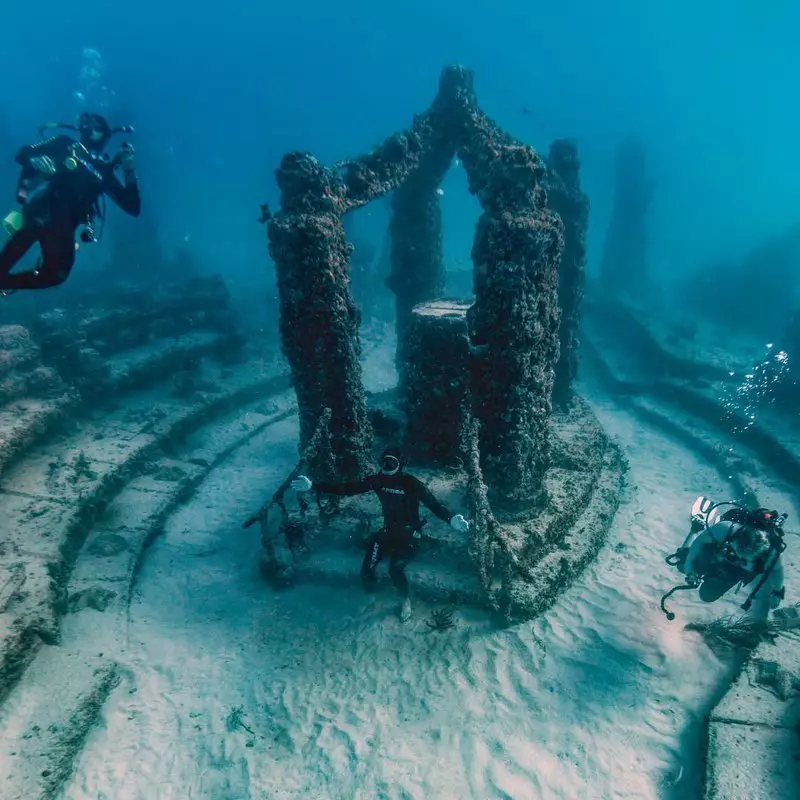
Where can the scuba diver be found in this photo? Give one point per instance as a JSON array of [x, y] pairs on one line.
[[726, 548], [59, 189], [400, 495]]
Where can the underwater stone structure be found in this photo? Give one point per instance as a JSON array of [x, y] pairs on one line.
[[319, 320], [437, 387], [86, 488], [513, 324], [164, 327], [33, 396], [311, 255], [417, 258], [515, 319], [624, 265], [572, 205]]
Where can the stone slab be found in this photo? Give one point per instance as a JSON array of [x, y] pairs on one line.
[[754, 698], [751, 762]]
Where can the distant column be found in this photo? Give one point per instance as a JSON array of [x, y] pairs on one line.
[[624, 268], [417, 260], [565, 197]]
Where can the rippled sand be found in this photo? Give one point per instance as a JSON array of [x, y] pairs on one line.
[[233, 691]]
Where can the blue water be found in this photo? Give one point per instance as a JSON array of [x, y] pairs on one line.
[[218, 92]]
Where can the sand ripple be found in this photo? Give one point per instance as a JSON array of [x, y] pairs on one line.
[[235, 692]]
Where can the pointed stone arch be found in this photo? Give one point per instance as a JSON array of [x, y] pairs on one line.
[[513, 323]]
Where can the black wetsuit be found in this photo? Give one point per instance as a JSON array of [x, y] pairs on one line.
[[60, 204], [400, 496]]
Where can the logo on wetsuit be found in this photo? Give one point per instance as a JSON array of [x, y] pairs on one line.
[[393, 491], [376, 549]]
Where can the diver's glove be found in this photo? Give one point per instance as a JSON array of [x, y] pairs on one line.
[[776, 597], [692, 579], [125, 158], [44, 165], [458, 523], [301, 484]]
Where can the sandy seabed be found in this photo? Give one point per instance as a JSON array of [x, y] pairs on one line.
[[232, 691]]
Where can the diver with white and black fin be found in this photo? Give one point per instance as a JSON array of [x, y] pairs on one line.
[[730, 545], [59, 190], [400, 495]]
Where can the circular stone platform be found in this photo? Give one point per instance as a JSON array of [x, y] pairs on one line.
[[517, 566]]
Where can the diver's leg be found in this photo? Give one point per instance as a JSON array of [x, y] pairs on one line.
[[58, 256], [716, 580], [401, 555], [397, 571], [371, 560], [715, 585], [12, 252]]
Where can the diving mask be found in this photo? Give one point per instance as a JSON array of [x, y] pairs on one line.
[[389, 463]]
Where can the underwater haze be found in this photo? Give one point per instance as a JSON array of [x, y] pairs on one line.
[[158, 644], [219, 92]]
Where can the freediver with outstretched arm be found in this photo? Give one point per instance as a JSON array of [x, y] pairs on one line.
[[400, 496]]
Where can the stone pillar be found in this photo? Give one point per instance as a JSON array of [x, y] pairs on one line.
[[515, 320], [319, 321], [572, 205], [417, 259], [437, 380], [624, 266]]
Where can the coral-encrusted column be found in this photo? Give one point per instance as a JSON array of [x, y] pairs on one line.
[[418, 271], [437, 380], [565, 197], [515, 320], [319, 321]]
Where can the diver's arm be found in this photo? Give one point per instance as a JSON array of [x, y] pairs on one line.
[[714, 535], [345, 488], [777, 579], [126, 196], [425, 496], [47, 147]]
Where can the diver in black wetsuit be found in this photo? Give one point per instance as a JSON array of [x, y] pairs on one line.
[[61, 183], [400, 495]]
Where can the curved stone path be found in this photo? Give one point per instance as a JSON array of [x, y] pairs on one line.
[[205, 684]]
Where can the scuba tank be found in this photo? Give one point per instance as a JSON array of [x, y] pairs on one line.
[[704, 514]]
